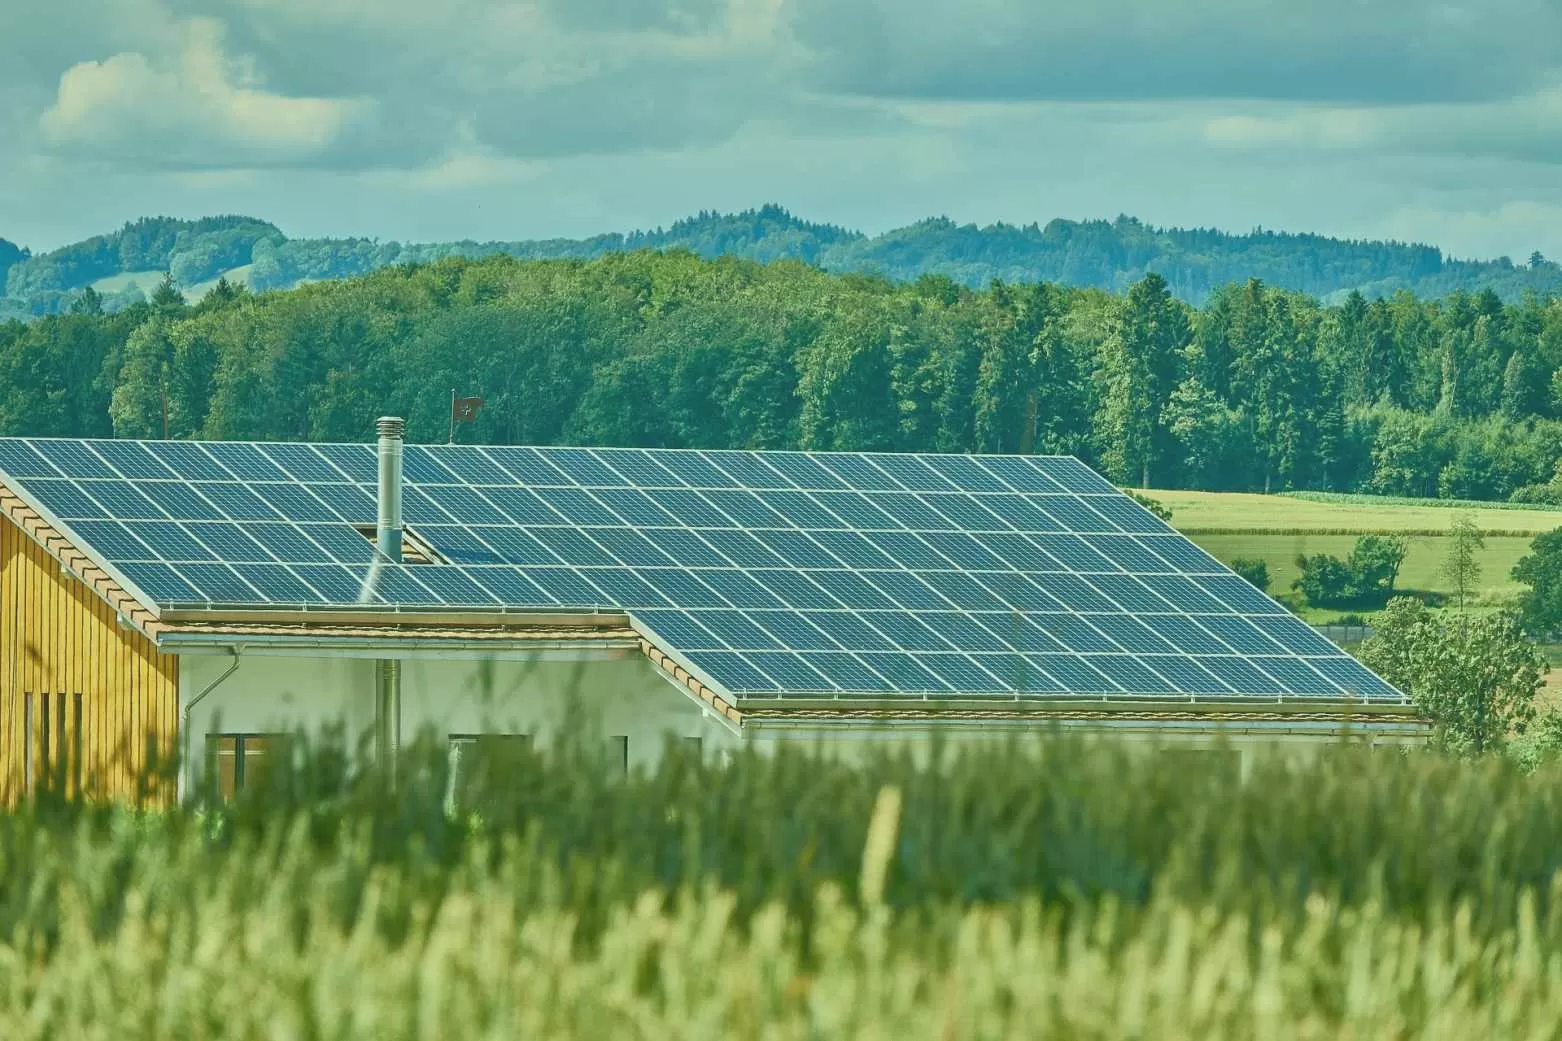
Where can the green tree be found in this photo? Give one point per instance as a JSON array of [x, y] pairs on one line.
[[1461, 567], [1375, 562], [1139, 368], [1254, 570], [1541, 569], [1476, 681]]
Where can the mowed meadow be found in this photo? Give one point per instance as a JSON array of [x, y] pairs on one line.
[[1056, 889], [1278, 528]]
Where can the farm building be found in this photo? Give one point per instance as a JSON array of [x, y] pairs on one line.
[[206, 598]]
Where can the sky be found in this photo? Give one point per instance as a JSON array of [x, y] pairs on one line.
[[496, 119]]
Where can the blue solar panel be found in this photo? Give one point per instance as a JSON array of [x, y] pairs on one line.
[[171, 542], [335, 583], [904, 672], [849, 672], [850, 630], [584, 468], [734, 668], [679, 629], [66, 500], [1130, 674], [527, 467], [114, 540], [74, 459], [803, 470], [1076, 674], [19, 459], [748, 469], [791, 672], [218, 583], [915, 474], [456, 586], [639, 467], [1018, 474], [190, 461], [281, 585], [131, 459], [420, 466], [738, 630], [859, 472], [160, 582], [248, 462], [123, 500], [469, 464], [912, 512], [797, 549], [305, 463], [859, 573]]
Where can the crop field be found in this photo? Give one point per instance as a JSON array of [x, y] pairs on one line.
[[1276, 529], [1054, 890]]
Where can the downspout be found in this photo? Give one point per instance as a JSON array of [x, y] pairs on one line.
[[188, 766], [388, 534]]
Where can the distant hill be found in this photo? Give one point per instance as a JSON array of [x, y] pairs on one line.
[[1103, 254]]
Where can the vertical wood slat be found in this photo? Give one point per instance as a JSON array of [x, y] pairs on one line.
[[127, 690]]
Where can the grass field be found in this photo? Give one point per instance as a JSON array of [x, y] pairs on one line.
[[238, 274], [1066, 891], [1276, 529], [1208, 512], [146, 281]]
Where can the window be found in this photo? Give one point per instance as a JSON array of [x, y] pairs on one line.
[[693, 747], [52, 743], [618, 753], [472, 754], [236, 761]]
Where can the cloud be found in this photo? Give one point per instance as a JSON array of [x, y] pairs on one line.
[[1336, 50], [1527, 128], [202, 109]]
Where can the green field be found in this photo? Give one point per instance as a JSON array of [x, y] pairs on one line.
[[238, 274], [1276, 529], [1210, 512], [146, 281], [1068, 890]]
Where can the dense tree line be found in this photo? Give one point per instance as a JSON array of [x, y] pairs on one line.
[[1260, 389], [1109, 255]]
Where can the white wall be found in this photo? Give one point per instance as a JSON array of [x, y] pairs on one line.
[[620, 692], [271, 694]]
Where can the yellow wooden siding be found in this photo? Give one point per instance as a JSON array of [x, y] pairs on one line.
[[58, 637]]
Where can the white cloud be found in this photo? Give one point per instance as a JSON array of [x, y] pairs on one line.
[[1528, 127], [199, 109]]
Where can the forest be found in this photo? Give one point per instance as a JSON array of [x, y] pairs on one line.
[[1259, 389], [1097, 254]]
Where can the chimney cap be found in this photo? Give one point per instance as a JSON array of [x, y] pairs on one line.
[[391, 426]]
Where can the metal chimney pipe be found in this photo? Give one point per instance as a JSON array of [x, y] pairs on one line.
[[387, 674], [388, 529]]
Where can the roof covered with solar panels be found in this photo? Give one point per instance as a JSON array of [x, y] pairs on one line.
[[765, 574]]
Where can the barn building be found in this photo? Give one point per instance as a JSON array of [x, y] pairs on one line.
[[203, 598]]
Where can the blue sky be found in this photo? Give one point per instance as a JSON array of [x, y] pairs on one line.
[[1437, 122]]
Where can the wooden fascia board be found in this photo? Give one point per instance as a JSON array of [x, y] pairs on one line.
[[84, 566]]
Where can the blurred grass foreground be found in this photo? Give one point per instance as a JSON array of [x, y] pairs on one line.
[[1061, 889]]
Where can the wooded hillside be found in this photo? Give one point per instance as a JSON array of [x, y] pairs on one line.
[[1260, 389], [1108, 255]]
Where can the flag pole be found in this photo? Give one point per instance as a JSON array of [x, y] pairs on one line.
[[452, 416]]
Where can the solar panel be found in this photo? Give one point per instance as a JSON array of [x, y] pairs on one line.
[[769, 572]]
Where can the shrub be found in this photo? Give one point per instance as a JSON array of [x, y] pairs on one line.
[[1254, 570], [1325, 580], [1155, 506], [1367, 578]]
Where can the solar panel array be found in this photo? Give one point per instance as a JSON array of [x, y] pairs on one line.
[[770, 573]]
